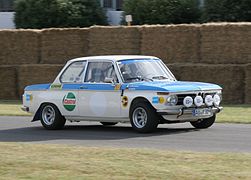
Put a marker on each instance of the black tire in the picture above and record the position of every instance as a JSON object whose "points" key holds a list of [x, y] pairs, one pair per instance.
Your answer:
{"points": [[51, 117], [108, 123], [151, 120], [204, 123]]}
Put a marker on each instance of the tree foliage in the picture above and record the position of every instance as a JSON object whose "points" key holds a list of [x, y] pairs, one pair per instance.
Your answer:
{"points": [[58, 13], [227, 10], [162, 11]]}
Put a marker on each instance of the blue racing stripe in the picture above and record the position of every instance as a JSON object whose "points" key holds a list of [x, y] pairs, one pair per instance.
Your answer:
{"points": [[88, 86], [84, 86], [137, 60], [37, 87], [71, 86]]}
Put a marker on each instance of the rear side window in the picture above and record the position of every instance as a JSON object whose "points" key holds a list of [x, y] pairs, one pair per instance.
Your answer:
{"points": [[74, 73]]}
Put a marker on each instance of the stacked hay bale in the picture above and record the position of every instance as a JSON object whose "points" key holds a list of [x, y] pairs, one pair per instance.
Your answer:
{"points": [[172, 43], [19, 47], [114, 40], [223, 51], [60, 45], [36, 74], [8, 82], [229, 77], [226, 43], [248, 84]]}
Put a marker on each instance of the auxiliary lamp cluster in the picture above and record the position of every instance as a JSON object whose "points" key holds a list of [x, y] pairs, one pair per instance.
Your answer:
{"points": [[198, 101]]}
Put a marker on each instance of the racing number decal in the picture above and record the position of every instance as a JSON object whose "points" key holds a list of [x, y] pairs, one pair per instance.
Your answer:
{"points": [[124, 101]]}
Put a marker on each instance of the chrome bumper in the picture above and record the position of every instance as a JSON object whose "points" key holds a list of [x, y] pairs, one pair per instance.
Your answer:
{"points": [[184, 111], [24, 108]]}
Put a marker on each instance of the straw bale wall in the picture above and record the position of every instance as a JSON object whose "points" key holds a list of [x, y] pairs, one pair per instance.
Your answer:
{"points": [[215, 52], [248, 84], [8, 82], [114, 40], [60, 45], [229, 77], [171, 43], [36, 74], [226, 43], [19, 47]]}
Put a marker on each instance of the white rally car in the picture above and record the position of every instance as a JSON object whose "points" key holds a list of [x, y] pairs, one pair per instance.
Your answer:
{"points": [[111, 89]]}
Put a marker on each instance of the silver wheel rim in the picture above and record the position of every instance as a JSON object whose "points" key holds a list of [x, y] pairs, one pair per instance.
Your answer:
{"points": [[48, 115], [139, 117]]}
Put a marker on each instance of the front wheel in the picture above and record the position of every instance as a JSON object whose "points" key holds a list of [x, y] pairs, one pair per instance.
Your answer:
{"points": [[143, 117], [204, 123], [51, 118]]}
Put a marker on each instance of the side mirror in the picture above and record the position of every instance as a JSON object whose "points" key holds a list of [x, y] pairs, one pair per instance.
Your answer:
{"points": [[109, 80]]}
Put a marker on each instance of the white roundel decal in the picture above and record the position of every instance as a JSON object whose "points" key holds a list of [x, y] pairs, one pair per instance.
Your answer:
{"points": [[198, 101], [188, 101], [209, 100], [217, 100], [98, 104]]}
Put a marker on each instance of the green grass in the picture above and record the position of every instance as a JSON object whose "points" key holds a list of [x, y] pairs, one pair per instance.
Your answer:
{"points": [[230, 113], [11, 108], [235, 114], [26, 161]]}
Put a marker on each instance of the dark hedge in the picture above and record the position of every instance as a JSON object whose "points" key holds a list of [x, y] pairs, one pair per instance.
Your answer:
{"points": [[58, 13]]}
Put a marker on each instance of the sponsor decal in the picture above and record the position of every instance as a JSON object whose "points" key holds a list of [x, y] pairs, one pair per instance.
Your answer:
{"points": [[69, 101], [155, 100], [56, 86], [161, 100], [117, 87], [28, 97], [124, 101]]}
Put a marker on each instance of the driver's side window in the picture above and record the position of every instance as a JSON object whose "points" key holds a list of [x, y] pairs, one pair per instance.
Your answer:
{"points": [[98, 71]]}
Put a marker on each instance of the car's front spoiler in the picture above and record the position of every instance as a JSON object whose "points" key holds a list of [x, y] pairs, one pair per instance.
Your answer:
{"points": [[184, 111]]}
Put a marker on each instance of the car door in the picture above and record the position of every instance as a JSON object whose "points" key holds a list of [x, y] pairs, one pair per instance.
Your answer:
{"points": [[100, 93], [67, 92]]}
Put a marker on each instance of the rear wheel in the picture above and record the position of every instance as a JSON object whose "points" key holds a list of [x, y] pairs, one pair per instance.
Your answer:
{"points": [[143, 117], [51, 118], [204, 123], [108, 123]]}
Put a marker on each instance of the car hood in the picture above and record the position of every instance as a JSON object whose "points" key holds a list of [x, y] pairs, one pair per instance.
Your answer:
{"points": [[172, 86]]}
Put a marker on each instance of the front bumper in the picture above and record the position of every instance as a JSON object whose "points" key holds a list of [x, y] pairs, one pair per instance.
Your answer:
{"points": [[182, 111], [185, 114]]}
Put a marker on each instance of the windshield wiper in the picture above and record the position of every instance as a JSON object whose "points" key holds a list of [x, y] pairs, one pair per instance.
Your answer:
{"points": [[160, 77], [139, 78]]}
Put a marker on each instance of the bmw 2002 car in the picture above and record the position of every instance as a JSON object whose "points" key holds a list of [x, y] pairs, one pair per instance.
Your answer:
{"points": [[112, 89]]}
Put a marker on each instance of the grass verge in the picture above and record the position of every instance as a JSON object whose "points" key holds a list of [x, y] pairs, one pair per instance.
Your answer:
{"points": [[12, 108], [26, 161], [230, 113], [235, 114]]}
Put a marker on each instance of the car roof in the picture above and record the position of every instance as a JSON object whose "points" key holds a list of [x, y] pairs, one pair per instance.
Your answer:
{"points": [[113, 57]]}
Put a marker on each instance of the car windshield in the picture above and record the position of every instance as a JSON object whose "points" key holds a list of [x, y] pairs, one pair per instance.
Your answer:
{"points": [[144, 70]]}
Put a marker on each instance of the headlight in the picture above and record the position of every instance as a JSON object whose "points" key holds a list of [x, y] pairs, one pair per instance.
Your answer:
{"points": [[209, 100], [188, 101], [217, 100], [172, 100], [198, 101]]}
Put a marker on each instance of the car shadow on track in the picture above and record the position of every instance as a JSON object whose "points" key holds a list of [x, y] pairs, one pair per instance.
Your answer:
{"points": [[82, 132]]}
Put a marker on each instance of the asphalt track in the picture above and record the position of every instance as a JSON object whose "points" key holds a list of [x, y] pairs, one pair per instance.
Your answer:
{"points": [[218, 138]]}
